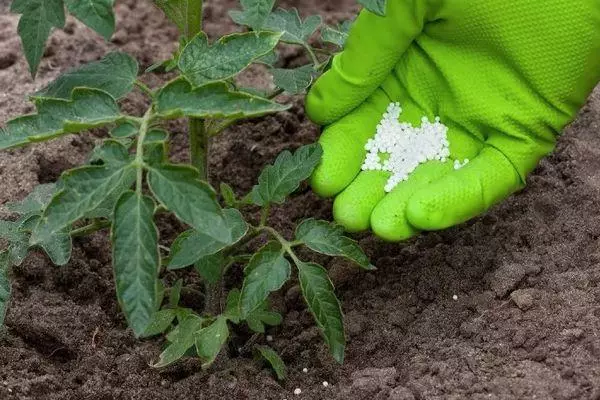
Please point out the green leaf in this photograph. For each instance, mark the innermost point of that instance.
(113, 74)
(35, 202)
(283, 177)
(337, 35)
(175, 293)
(110, 152)
(180, 190)
(254, 13)
(83, 191)
(294, 81)
(210, 267)
(267, 271)
(87, 109)
(269, 59)
(228, 195)
(211, 339)
(274, 361)
(192, 246)
(320, 296)
(182, 339)
(327, 238)
(5, 286)
(18, 241)
(156, 135)
(124, 130)
(181, 13)
(214, 100)
(38, 19)
(375, 6)
(289, 23)
(202, 63)
(232, 310)
(136, 258)
(58, 247)
(160, 322)
(258, 318)
(97, 14)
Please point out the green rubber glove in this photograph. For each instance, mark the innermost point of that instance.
(505, 77)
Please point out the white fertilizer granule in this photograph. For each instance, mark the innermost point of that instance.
(404, 146)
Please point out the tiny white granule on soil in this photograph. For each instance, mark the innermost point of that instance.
(404, 147)
(269, 338)
(305, 370)
(455, 297)
(325, 383)
(297, 391)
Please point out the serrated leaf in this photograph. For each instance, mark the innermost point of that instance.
(254, 13)
(274, 361)
(58, 247)
(336, 35)
(182, 13)
(267, 271)
(160, 322)
(192, 246)
(83, 191)
(136, 258)
(110, 152)
(5, 286)
(180, 190)
(182, 338)
(97, 14)
(289, 23)
(35, 201)
(320, 296)
(88, 108)
(37, 20)
(375, 6)
(214, 100)
(210, 267)
(202, 63)
(327, 238)
(294, 81)
(114, 74)
(211, 339)
(283, 177)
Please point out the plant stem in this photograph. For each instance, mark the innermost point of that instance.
(264, 214)
(89, 229)
(312, 55)
(197, 131)
(199, 146)
(139, 154)
(285, 244)
(144, 88)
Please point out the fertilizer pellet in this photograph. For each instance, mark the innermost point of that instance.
(404, 147)
(305, 370)
(325, 383)
(297, 391)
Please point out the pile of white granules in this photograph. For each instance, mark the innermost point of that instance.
(399, 148)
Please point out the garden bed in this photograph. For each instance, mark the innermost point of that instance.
(506, 306)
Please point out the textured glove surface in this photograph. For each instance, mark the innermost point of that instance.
(505, 77)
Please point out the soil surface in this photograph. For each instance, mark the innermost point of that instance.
(506, 306)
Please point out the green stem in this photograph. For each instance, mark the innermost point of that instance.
(139, 154)
(264, 214)
(144, 88)
(197, 131)
(312, 55)
(285, 244)
(199, 139)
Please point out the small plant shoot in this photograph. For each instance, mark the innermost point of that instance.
(130, 179)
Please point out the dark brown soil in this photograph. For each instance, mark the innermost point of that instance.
(524, 323)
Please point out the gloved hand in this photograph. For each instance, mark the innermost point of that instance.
(505, 77)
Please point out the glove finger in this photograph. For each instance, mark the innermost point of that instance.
(343, 146)
(374, 46)
(465, 193)
(353, 207)
(388, 219)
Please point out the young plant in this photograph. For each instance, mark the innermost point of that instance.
(129, 178)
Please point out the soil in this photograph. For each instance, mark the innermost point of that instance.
(506, 306)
